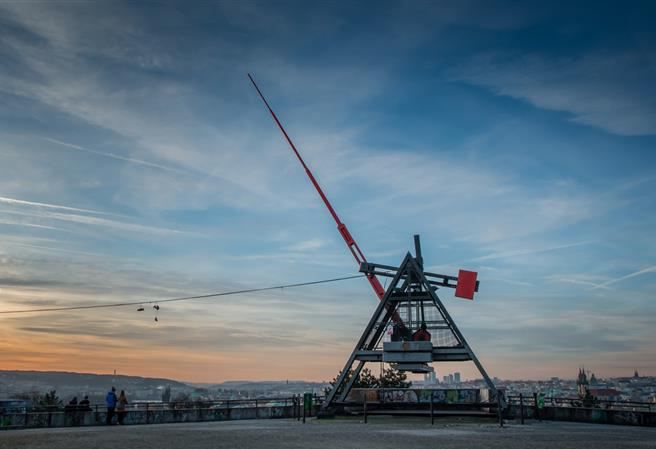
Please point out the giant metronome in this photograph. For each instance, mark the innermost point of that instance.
(410, 328)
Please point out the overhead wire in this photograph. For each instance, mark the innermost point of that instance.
(184, 298)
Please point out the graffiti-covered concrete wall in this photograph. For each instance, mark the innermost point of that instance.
(420, 396)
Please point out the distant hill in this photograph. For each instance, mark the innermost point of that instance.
(264, 386)
(70, 384)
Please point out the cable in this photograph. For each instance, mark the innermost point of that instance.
(185, 298)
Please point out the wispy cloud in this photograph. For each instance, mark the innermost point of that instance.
(17, 202)
(306, 245)
(651, 269)
(118, 157)
(104, 222)
(605, 90)
(46, 211)
(30, 225)
(525, 252)
(574, 279)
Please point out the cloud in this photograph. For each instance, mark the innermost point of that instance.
(306, 245)
(628, 276)
(118, 157)
(18, 282)
(88, 220)
(585, 280)
(525, 252)
(30, 225)
(17, 202)
(611, 91)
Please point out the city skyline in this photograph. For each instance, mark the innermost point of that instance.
(137, 163)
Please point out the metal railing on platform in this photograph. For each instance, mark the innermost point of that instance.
(529, 400)
(46, 416)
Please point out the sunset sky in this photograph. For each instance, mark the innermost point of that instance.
(138, 163)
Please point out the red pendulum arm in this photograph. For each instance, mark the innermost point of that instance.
(341, 227)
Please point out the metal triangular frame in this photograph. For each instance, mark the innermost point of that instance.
(409, 284)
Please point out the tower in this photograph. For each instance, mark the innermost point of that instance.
(582, 382)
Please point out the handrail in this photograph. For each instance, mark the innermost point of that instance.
(529, 400)
(170, 405)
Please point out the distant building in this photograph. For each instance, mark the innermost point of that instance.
(582, 382)
(430, 378)
(445, 379)
(456, 377)
(605, 394)
(451, 378)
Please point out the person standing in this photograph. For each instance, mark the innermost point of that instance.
(85, 404)
(120, 407)
(111, 400)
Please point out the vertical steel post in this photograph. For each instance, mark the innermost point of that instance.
(431, 410)
(303, 412)
(536, 410)
(256, 409)
(521, 407)
(365, 407)
(420, 260)
(500, 409)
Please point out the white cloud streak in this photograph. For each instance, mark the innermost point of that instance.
(118, 157)
(611, 91)
(651, 269)
(17, 202)
(525, 252)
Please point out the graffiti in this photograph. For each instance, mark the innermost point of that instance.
(452, 396)
(424, 396)
(439, 396)
(398, 396)
(468, 396)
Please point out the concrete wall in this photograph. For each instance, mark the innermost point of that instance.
(590, 415)
(420, 395)
(79, 418)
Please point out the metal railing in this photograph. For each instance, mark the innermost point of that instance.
(293, 407)
(529, 400)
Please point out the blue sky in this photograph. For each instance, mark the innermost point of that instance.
(136, 161)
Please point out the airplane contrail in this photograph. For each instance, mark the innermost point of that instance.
(651, 269)
(17, 202)
(118, 157)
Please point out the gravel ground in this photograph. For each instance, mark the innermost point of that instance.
(379, 433)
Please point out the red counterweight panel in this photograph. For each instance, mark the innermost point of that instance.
(466, 284)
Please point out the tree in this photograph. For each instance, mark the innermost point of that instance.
(166, 394)
(50, 399)
(183, 400)
(390, 378)
(367, 380)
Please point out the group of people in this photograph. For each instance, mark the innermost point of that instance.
(116, 406)
(402, 333)
(84, 405)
